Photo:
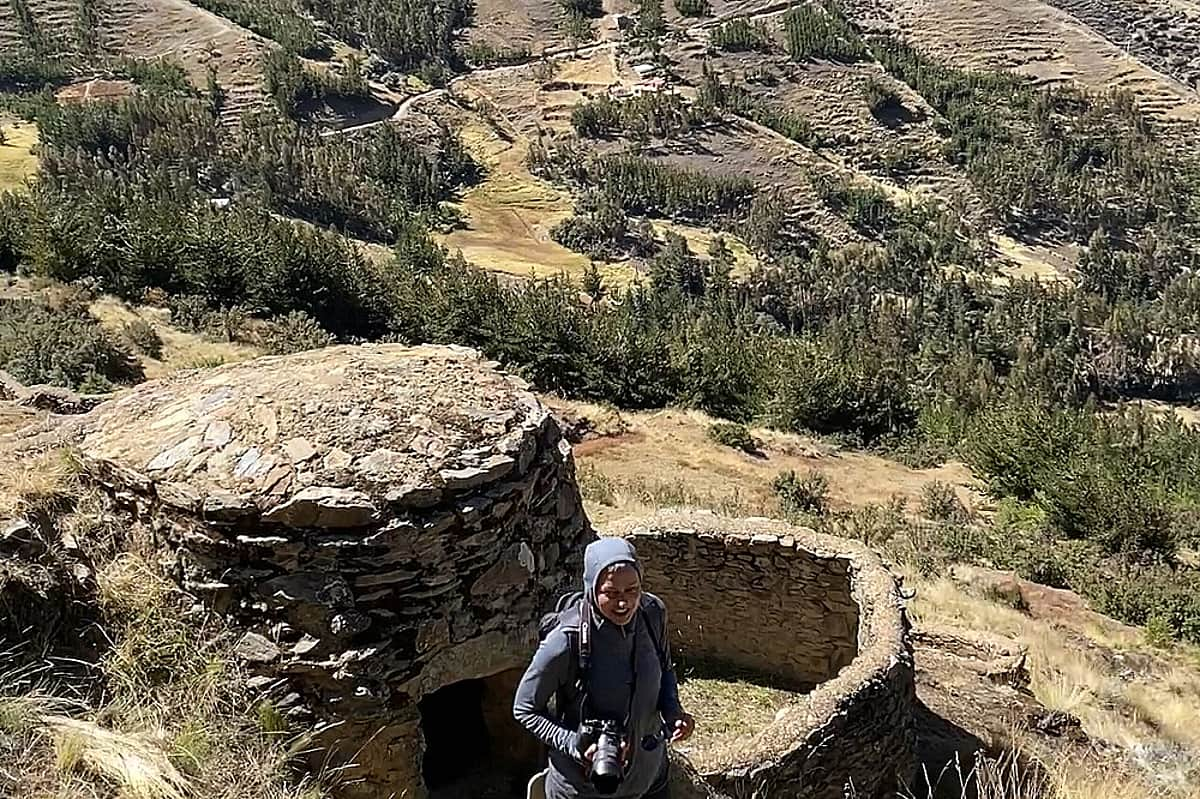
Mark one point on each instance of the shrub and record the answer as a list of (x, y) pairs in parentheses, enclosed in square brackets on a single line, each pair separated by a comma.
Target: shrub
[(596, 486), (823, 389), (940, 502), (868, 209), (1157, 596), (802, 494), (1159, 631), (295, 332), (599, 228), (1112, 505), (740, 34), (142, 336), (226, 324), (586, 8), (40, 344), (577, 27), (188, 311), (731, 434), (692, 8), (820, 30)]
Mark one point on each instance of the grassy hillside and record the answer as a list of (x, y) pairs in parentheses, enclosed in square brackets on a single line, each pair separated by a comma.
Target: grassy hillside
[(923, 274), (17, 160), (1133, 691)]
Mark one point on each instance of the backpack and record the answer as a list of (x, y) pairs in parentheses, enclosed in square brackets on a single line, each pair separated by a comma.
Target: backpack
[(569, 612)]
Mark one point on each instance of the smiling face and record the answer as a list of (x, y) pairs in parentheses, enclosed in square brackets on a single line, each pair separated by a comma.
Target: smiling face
[(618, 593)]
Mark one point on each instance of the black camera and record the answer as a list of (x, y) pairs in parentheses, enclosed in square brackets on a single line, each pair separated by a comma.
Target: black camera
[(607, 771)]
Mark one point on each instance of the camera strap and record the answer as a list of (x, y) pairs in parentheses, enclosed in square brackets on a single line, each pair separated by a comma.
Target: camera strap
[(584, 660)]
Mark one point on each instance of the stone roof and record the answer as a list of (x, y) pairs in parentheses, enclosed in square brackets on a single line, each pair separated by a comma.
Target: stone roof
[(324, 438)]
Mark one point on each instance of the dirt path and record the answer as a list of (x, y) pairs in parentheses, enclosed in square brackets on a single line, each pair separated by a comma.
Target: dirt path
[(406, 107)]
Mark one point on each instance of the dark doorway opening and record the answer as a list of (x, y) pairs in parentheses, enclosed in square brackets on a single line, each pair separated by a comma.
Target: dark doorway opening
[(473, 748), (456, 736)]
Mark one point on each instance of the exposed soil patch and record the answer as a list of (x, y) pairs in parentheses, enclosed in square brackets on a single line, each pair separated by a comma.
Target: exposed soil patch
[(532, 25), (180, 349), (195, 39), (96, 89), (668, 455), (1158, 34)]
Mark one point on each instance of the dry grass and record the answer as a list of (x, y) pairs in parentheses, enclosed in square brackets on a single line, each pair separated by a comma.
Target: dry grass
[(1041, 41), (1009, 777), (17, 160), (669, 453), (1021, 261), (639, 494), (727, 711), (700, 239), (1123, 691), (510, 213), (178, 720), (180, 350), (134, 762), (32, 482)]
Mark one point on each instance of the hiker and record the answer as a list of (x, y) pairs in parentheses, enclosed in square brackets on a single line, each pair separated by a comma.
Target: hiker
[(605, 662)]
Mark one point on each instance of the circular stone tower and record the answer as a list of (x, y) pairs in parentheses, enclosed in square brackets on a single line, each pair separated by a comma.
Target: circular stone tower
[(386, 523)]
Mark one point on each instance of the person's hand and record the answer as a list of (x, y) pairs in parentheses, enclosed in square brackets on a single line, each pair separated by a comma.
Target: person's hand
[(683, 728)]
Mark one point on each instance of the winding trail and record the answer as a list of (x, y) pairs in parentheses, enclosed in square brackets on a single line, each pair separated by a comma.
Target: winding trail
[(406, 106)]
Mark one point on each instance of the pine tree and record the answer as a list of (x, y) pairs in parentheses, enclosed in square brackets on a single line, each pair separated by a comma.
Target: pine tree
[(593, 283)]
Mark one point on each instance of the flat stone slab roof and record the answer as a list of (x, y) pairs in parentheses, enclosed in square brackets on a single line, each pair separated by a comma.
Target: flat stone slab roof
[(322, 438)]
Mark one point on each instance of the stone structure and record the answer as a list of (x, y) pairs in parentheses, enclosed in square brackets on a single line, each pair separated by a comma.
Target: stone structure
[(812, 610), (382, 521), (384, 525)]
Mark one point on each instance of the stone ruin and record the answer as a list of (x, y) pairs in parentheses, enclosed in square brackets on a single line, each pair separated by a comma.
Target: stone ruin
[(386, 524), (814, 613)]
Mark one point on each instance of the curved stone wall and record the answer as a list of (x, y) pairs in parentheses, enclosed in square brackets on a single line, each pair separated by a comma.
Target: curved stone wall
[(383, 521), (774, 599)]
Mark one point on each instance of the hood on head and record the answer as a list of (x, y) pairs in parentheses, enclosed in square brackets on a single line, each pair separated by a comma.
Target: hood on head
[(599, 555)]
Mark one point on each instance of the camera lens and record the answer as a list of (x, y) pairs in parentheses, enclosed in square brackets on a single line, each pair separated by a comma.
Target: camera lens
[(606, 764)]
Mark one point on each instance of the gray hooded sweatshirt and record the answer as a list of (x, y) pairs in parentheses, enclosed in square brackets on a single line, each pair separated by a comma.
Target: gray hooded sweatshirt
[(624, 660)]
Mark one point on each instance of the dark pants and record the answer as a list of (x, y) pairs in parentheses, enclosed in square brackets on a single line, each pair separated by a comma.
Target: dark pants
[(661, 789)]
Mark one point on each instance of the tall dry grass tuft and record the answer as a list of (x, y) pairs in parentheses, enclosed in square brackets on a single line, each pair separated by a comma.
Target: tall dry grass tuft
[(178, 720), (38, 484), (1012, 775), (641, 494), (132, 761), (1150, 716)]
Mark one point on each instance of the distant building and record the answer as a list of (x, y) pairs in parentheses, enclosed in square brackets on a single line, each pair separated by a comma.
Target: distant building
[(644, 70), (652, 86)]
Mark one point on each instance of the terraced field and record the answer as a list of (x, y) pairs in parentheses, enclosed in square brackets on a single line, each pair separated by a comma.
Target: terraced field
[(196, 39), (1037, 39), (10, 36)]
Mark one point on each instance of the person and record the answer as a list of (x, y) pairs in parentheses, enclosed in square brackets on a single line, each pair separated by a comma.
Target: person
[(629, 678)]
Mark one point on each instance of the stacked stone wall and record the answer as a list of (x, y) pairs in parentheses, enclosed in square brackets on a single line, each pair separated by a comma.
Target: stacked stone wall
[(776, 599), (754, 604)]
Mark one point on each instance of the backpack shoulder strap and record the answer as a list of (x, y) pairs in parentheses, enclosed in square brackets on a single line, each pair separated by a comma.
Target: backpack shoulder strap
[(570, 618)]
